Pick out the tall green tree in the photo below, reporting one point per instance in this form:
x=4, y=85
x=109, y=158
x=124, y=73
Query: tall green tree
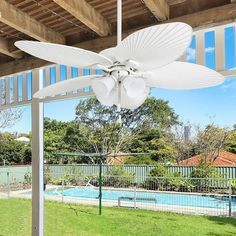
x=54, y=132
x=231, y=141
x=100, y=127
x=150, y=141
x=11, y=152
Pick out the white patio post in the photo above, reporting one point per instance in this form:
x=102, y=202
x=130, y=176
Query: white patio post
x=37, y=157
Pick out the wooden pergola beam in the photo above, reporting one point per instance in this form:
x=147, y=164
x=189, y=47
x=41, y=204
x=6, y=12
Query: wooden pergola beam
x=4, y=49
x=174, y=2
x=84, y=12
x=23, y=64
x=160, y=9
x=22, y=22
x=210, y=17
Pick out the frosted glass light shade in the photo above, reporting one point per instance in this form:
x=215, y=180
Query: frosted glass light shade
x=106, y=101
x=134, y=86
x=103, y=87
x=133, y=103
x=129, y=102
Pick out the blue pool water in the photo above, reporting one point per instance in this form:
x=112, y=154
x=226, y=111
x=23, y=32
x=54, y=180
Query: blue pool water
x=162, y=198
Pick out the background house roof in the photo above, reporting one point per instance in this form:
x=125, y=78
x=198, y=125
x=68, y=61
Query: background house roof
x=223, y=159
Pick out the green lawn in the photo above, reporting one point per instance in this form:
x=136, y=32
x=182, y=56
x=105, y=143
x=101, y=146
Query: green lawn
x=69, y=220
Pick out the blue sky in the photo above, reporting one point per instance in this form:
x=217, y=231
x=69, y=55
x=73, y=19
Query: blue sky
x=201, y=106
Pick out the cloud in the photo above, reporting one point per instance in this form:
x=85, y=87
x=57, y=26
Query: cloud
x=191, y=54
x=209, y=50
x=229, y=84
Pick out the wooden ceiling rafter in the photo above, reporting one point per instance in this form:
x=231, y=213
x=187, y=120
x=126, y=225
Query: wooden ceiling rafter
x=208, y=18
x=84, y=12
x=160, y=9
x=22, y=22
x=4, y=49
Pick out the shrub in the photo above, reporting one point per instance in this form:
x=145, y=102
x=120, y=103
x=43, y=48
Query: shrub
x=56, y=181
x=118, y=177
x=159, y=171
x=204, y=170
x=72, y=175
x=203, y=176
x=115, y=177
x=233, y=186
x=160, y=179
x=27, y=179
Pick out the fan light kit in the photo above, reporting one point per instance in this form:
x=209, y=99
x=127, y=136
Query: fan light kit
x=144, y=59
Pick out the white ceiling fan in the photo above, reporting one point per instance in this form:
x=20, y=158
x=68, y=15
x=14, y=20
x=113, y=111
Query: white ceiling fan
x=145, y=59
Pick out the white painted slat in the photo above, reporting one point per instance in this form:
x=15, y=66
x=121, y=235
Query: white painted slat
x=92, y=71
x=69, y=76
x=47, y=76
x=58, y=73
x=75, y=91
x=24, y=87
x=15, y=94
x=200, y=48
x=220, y=48
x=68, y=72
x=1, y=92
x=80, y=73
x=7, y=90
x=183, y=58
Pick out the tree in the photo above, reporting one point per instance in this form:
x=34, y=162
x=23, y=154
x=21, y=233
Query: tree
x=53, y=139
x=74, y=140
x=182, y=146
x=210, y=141
x=63, y=137
x=11, y=152
x=7, y=136
x=231, y=141
x=9, y=117
x=153, y=141
x=99, y=126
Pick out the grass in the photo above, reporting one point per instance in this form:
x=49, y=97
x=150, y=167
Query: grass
x=68, y=220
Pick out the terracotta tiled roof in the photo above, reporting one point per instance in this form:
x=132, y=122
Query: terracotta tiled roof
x=223, y=159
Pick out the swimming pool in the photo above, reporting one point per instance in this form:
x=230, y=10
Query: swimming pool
x=178, y=199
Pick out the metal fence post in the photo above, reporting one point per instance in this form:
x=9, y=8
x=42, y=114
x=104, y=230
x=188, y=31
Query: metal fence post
x=135, y=196
x=100, y=186
x=8, y=185
x=230, y=197
x=62, y=190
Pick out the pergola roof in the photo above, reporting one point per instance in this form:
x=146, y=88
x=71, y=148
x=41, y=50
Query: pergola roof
x=91, y=24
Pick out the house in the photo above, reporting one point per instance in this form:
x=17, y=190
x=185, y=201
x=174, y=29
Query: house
x=223, y=159
x=24, y=140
